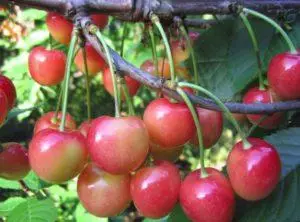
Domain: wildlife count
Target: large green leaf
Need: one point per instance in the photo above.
(9, 184)
(177, 215)
(7, 206)
(34, 182)
(82, 215)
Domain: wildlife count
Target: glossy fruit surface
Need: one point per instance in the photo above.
(100, 20)
(211, 123)
(254, 172)
(118, 145)
(3, 107)
(59, 27)
(155, 189)
(9, 89)
(161, 153)
(57, 156)
(84, 128)
(207, 199)
(255, 95)
(48, 121)
(103, 194)
(284, 75)
(47, 67)
(169, 124)
(95, 61)
(14, 163)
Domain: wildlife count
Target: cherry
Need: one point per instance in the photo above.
(14, 163)
(132, 84)
(169, 124)
(161, 153)
(95, 62)
(207, 199)
(284, 75)
(254, 172)
(211, 123)
(255, 95)
(3, 106)
(103, 194)
(59, 27)
(47, 67)
(57, 156)
(118, 145)
(9, 89)
(100, 20)
(155, 189)
(84, 128)
(48, 121)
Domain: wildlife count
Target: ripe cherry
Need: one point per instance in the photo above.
(59, 27)
(161, 153)
(95, 62)
(211, 123)
(100, 20)
(3, 106)
(284, 75)
(84, 128)
(57, 156)
(14, 163)
(48, 121)
(169, 124)
(118, 145)
(9, 89)
(103, 194)
(256, 95)
(132, 84)
(155, 189)
(207, 199)
(254, 172)
(47, 67)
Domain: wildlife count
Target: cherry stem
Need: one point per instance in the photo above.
(153, 47)
(87, 85)
(256, 49)
(289, 42)
(254, 126)
(94, 29)
(128, 98)
(125, 31)
(50, 41)
(155, 20)
(70, 57)
(58, 104)
(226, 111)
(198, 128)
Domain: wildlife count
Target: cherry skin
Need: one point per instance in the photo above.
(207, 199)
(57, 156)
(160, 153)
(132, 85)
(47, 121)
(84, 128)
(169, 124)
(211, 123)
(59, 27)
(95, 62)
(103, 194)
(284, 75)
(254, 172)
(255, 95)
(14, 163)
(47, 67)
(100, 20)
(3, 106)
(118, 145)
(155, 189)
(9, 89)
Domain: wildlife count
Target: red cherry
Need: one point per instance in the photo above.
(47, 121)
(284, 75)
(169, 124)
(118, 145)
(163, 68)
(254, 172)
(47, 67)
(3, 106)
(103, 194)
(155, 189)
(14, 163)
(132, 84)
(194, 36)
(161, 153)
(255, 95)
(57, 156)
(207, 199)
(148, 66)
(9, 89)
(59, 27)
(84, 128)
(211, 123)
(100, 20)
(95, 61)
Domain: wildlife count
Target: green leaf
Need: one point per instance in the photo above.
(9, 184)
(82, 215)
(164, 219)
(16, 111)
(177, 215)
(34, 182)
(34, 210)
(32, 14)
(7, 206)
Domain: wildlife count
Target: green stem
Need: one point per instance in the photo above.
(275, 25)
(67, 77)
(254, 126)
(87, 85)
(222, 107)
(128, 99)
(58, 105)
(125, 30)
(153, 46)
(155, 20)
(256, 49)
(198, 128)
